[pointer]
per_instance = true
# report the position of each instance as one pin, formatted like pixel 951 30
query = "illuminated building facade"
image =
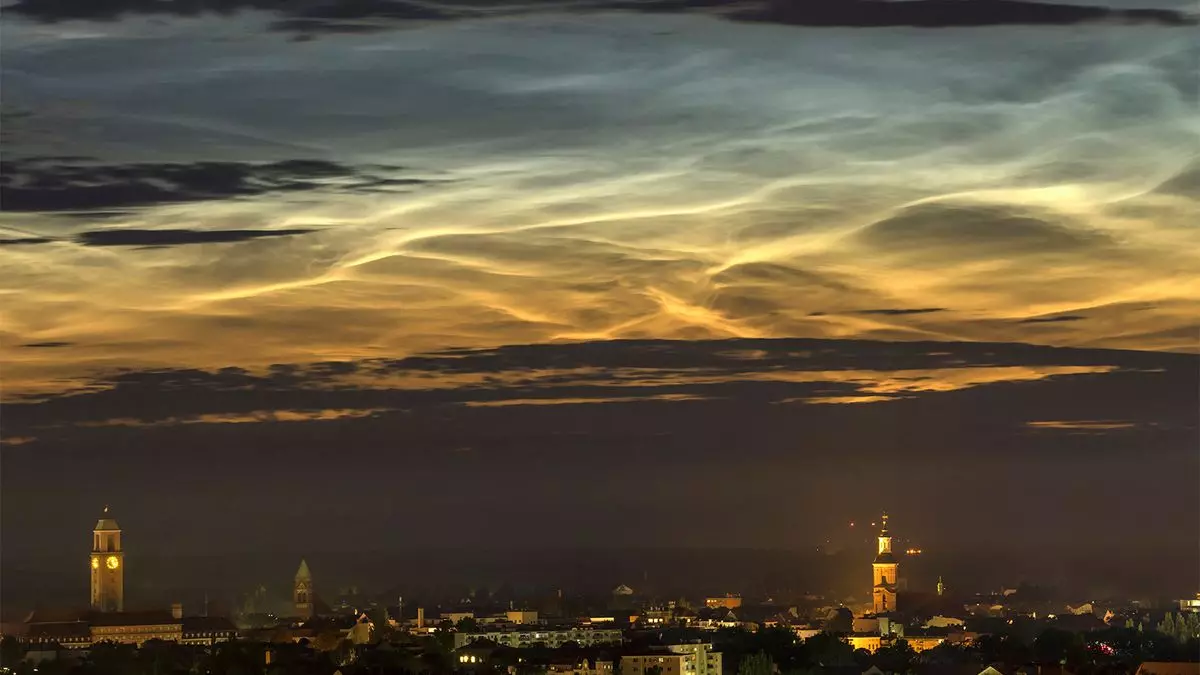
pixel 107 566
pixel 685 659
pixel 873 643
pixel 725 602
pixel 72 629
pixel 552 638
pixel 884 569
pixel 136 627
pixel 1190 604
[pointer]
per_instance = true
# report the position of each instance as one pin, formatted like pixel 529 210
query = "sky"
pixel 599 274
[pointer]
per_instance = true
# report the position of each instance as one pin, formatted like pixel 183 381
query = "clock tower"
pixel 108 566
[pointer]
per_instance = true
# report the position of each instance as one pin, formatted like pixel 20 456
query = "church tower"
pixel 885 569
pixel 108 566
pixel 302 592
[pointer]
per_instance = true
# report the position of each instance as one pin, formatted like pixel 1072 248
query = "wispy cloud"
pixel 840 400
pixel 1054 319
pixel 252 417
pixel 945 182
pixel 594 373
pixel 1081 425
pixel 583 400
pixel 901 312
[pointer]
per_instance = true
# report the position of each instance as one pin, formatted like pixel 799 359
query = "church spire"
pixel 302 592
pixel 885 537
pixel 884 573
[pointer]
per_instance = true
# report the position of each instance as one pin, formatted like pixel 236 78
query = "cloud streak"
pixel 1054 319
pixel 893 187
pixel 901 312
pixel 768 371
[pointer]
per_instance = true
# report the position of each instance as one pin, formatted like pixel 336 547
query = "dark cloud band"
pixel 340 16
pixel 46 185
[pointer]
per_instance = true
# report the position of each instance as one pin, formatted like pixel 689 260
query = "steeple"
pixel 941 587
pixel 884 570
pixel 885 543
pixel 107 565
pixel 302 591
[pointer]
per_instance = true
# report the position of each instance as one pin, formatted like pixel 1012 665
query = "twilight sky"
pixel 270 270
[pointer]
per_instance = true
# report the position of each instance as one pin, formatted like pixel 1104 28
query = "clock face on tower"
pixel 95 563
pixel 112 562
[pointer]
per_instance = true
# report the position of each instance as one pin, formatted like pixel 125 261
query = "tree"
pixel 1190 628
pixel 841 622
pixel 1005 648
pixel 1054 645
pixel 945 654
pixel 10 651
pixel 897 657
pixel 757 664
pixel 1167 626
pixel 108 657
pixel 467 625
pixel 780 644
pixel 826 649
pixel 1180 627
pixel 379 619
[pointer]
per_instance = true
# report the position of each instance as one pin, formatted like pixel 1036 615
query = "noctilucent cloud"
pixel 459 247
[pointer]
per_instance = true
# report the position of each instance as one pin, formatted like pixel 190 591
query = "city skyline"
pixel 361 283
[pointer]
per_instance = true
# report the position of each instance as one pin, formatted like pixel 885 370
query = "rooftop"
pixel 132 618
pixel 106 523
pixel 211 624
